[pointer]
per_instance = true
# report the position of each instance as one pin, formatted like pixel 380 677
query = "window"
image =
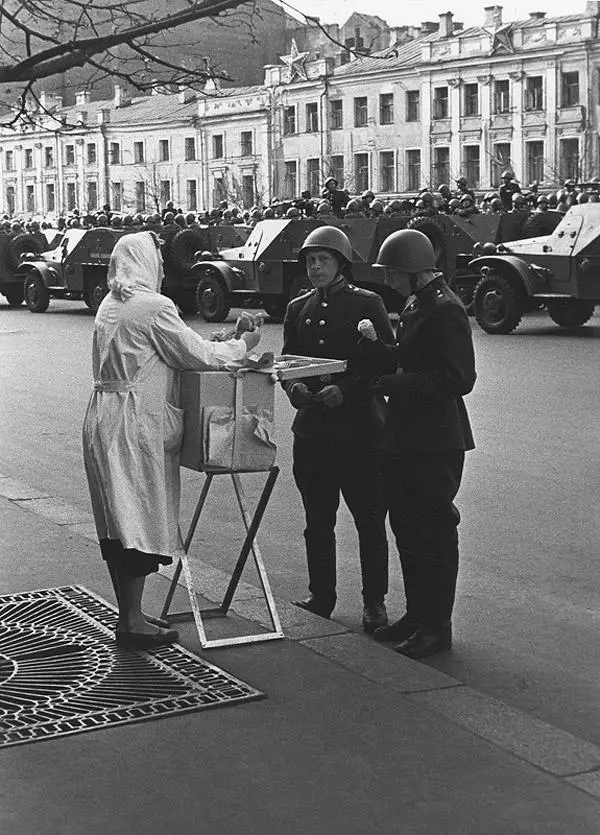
pixel 337 114
pixel 69 154
pixel 313 171
pixel 30 199
pixel 312 117
pixel 246 144
pixel 413 170
pixel 386 171
pixel 290 181
pixel 115 153
pixel 534 93
pixel 163 150
pixel 501 97
pixel 191 195
pixel 116 190
pixel 570 89
pixel 500 161
pixel 534 160
pixel 189 149
pixel 138 152
pixel 71 196
pixel 165 192
pixel 472 171
pixel 9 161
pixel 440 172
pixel 92 194
pixel 386 108
pixel 361 112
pixel 471 100
pixel 49 156
pixel 440 103
pixel 248 190
pixel 569 159
pixel 28 157
pixel 140 196
pixel 91 153
pixel 217 146
pixel 50 198
pixel 413 106
pixel 337 169
pixel 10 200
pixel 289 120
pixel 361 172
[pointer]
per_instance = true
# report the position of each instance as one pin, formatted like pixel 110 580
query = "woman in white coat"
pixel 133 427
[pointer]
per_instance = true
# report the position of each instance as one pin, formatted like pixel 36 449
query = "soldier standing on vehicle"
pixel 335 196
pixel 462 188
pixel 508 189
pixel 425 377
pixel 334 428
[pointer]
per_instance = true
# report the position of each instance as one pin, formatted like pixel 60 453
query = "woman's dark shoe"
pixel 400 630
pixel 316 606
pixel 374 617
pixel 141 640
pixel 424 643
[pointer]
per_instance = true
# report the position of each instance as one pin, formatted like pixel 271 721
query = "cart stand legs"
pixel 251 524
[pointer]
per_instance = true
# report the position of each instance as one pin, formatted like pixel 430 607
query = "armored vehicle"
pixel 264 271
pixel 457 239
pixel 560 272
pixel 12 249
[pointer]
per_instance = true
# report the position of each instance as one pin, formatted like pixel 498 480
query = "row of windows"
pixel 533 100
pixel 357 176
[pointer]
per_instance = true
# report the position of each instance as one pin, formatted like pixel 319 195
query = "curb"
pixel 538 743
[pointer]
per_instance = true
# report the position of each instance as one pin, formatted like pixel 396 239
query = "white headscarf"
pixel 135 263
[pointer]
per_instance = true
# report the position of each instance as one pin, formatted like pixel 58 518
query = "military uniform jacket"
pixel 435 368
pixel 325 325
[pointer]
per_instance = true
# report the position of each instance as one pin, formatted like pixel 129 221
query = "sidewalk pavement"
pixel 351 739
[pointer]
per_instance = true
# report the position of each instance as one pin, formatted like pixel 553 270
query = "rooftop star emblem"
pixel 295 63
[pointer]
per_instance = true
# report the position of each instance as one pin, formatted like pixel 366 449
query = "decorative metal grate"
pixel 61 671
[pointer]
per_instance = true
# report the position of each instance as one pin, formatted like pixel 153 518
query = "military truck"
pixel 264 271
pixel 457 239
pixel 559 271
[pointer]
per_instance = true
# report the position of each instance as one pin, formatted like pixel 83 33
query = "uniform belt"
pixel 114 385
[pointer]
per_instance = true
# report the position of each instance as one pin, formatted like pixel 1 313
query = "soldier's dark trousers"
pixel 324 469
pixel 420 488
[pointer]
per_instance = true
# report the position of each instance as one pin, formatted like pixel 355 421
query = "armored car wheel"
pixel 497 307
pixel 570 313
pixel 14 295
pixel 211 298
pixel 37 296
pixel 94 294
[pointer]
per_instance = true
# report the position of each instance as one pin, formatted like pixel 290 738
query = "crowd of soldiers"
pixel 335 203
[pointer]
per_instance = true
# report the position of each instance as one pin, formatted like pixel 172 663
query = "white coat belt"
pixel 114 385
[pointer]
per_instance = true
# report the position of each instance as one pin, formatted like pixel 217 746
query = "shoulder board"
pixel 303 296
pixel 359 290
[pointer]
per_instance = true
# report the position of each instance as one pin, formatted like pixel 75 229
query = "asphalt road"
pixel 527 620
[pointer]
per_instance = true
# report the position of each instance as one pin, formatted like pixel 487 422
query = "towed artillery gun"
pixel 559 271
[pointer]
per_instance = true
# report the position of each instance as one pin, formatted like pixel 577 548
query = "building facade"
pixel 450 101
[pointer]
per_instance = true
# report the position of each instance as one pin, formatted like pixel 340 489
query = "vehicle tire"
pixel 570 313
pixel 543 223
pixel 434 229
pixel 14 295
pixel 37 295
pixel 497 306
pixel 17 246
pixel 212 298
pixel 275 307
pixel 187 301
pixel 180 250
pixel 94 293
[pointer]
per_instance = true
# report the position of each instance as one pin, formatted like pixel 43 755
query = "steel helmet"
pixel 330 180
pixel 466 198
pixel 584 197
pixel 291 212
pixel 496 204
pixel 426 197
pixel 518 199
pixel 407 249
pixel 454 203
pixel 507 175
pixel 169 217
pixel 541 199
pixel 376 207
pixel 324 208
pixel 461 181
pixel 327 237
pixel 269 213
pixel 368 193
pixel 353 206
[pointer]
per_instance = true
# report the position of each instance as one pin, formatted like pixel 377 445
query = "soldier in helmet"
pixel 366 198
pixel 353 209
pixel 325 210
pixel 376 208
pixel 335 196
pixel 508 189
pixel 541 204
pixel 467 206
pixel 519 204
pixel 333 432
pixel 425 377
pixel 463 188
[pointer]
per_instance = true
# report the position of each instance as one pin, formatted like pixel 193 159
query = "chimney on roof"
pixel 185 95
pixel 493 15
pixel 592 8
pixel 428 27
pixel 82 116
pixel 82 97
pixel 537 15
pixel 446 24
pixel 103 115
pixel 120 98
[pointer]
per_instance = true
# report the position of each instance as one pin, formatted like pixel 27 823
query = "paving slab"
pixel 10 488
pixel 550 748
pixel 297 623
pixel 56 511
pixel 589 782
